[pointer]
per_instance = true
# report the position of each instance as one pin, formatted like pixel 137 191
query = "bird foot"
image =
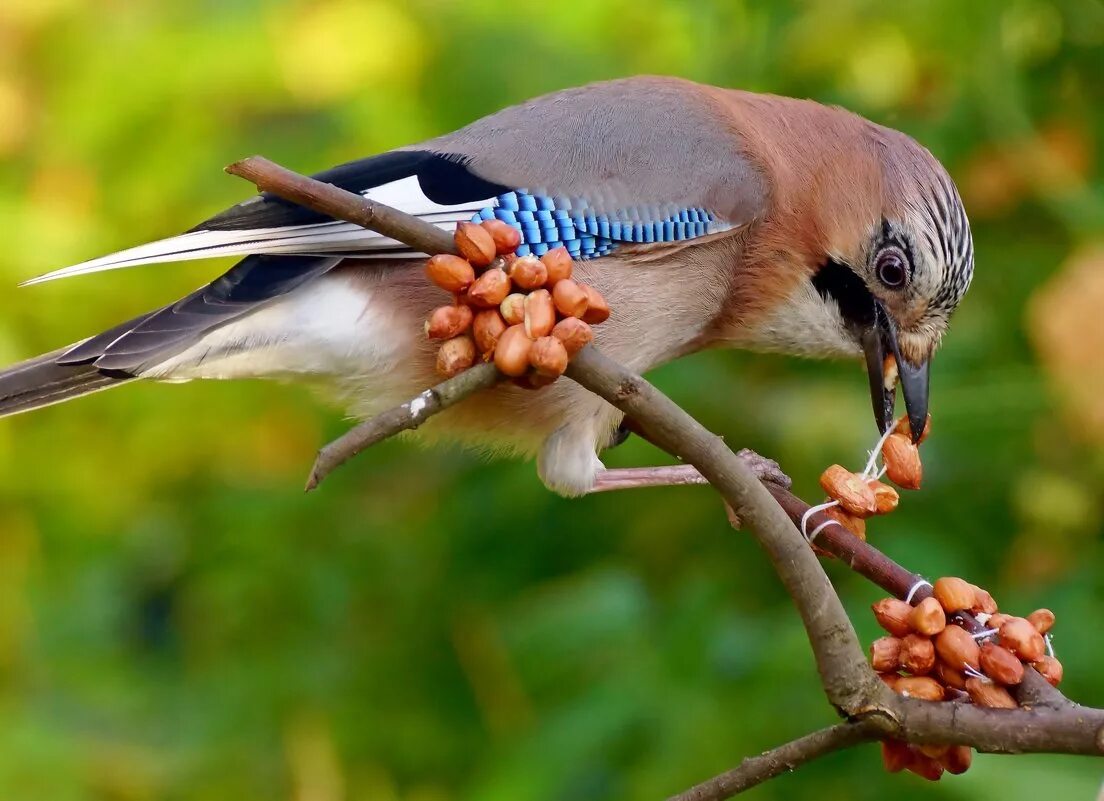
pixel 764 469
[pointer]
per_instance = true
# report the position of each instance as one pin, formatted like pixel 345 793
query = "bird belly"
pixel 358 332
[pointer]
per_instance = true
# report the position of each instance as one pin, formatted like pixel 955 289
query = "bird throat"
pixel 840 283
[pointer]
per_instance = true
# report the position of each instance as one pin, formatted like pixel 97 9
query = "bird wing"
pixel 640 160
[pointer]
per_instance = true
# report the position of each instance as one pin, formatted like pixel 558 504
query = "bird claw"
pixel 764 469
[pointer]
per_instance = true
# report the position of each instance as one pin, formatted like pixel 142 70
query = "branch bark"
pixel 848 681
pixel 783 759
pixel 340 204
pixel 404 417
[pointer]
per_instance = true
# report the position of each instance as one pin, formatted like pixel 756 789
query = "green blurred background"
pixel 179 621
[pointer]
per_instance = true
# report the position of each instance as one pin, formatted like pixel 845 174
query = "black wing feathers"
pixel 444 180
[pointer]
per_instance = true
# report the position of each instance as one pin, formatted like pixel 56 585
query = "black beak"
pixel 879 341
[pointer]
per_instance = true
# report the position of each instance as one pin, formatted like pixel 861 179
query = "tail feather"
pixel 41 381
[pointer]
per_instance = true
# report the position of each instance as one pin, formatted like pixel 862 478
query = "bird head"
pixel 892 288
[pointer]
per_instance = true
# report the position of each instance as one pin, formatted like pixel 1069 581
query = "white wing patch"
pixel 315 239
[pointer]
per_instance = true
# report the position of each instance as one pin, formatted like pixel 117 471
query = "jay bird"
pixel 707 217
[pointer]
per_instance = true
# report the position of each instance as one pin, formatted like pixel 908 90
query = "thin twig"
pixel 405 417
pixel 343 205
pixel 783 759
pixel 622 478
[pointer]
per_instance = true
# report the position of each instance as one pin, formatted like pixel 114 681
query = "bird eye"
pixel 891 268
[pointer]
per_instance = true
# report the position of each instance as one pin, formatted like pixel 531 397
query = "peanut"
pixel 474 243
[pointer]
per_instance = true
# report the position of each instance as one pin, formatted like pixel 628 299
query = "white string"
pixel 821 527
pixel 981 635
pixel 875 453
pixel 1049 645
pixel 812 510
pixel 914 588
pixel 975 674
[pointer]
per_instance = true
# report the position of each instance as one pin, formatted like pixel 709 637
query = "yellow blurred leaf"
pixel 337 49
pixel 881 71
pixel 1066 326
pixel 15 112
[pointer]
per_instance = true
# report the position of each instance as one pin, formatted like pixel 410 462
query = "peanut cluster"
pixel 929 655
pixel 858 497
pixel 525 313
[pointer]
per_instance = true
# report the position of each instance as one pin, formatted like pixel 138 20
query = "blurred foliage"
pixel 177 620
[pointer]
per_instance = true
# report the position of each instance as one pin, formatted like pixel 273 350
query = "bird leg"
pixel 766 470
pixel 682 474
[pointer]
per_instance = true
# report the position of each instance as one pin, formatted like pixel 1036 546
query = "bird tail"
pixel 41 381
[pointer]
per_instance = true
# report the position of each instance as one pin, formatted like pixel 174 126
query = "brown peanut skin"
pixel 506 238
pixel 928 617
pixel 984 693
pixel 954 594
pixel 902 462
pixel 885 654
pixel 570 298
pixel 896 756
pixel 598 310
pixel 511 355
pixel 957 648
pixel 574 334
pixel 450 273
pixel 904 428
pixel 447 322
pixel 853 493
pixel 984 602
pixel 455 355
pixel 856 525
pixel 886 498
pixel 1021 638
pixel 921 687
pixel 926 768
pixel 1050 669
pixel 1001 665
pixel 512 308
pixel 1042 620
pixel 490 289
pixel 559 264
pixel 528 273
pixel 958 758
pixel 540 314
pixel 548 356
pixel 475 243
pixel 487 327
pixel 949 676
pixel 893 616
pixel 917 654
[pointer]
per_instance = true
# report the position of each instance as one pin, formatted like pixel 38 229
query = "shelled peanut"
pixel 928 654
pixel 524 313
pixel 858 497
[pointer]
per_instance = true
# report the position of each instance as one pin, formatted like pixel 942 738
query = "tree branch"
pixel 401 418
pixel 783 759
pixel 1047 721
pixel 342 205
pixel 848 681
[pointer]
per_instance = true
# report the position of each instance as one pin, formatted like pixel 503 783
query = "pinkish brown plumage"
pixel 713 218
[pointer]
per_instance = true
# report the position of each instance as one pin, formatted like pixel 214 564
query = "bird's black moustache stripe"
pixel 839 282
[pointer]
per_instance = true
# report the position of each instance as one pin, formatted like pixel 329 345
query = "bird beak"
pixel 886 368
